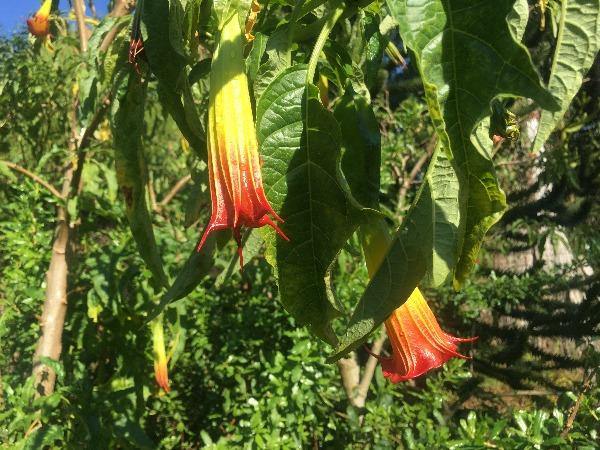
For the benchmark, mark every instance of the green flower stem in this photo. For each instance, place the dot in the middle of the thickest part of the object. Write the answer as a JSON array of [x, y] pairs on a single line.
[[318, 48]]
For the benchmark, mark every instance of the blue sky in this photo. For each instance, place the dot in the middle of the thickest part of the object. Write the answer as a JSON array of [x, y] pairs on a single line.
[[13, 13]]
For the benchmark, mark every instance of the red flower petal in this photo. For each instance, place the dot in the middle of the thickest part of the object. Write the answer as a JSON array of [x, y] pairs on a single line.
[[418, 343]]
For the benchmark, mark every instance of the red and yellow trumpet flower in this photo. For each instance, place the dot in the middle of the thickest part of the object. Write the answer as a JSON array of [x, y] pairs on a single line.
[[236, 189], [161, 371], [39, 23], [418, 342]]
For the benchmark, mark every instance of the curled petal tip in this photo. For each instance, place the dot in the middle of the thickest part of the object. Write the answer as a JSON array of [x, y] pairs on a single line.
[[461, 340]]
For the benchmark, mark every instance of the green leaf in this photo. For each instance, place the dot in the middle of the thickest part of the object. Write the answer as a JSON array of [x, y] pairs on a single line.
[[200, 70], [168, 64], [465, 61], [97, 69], [425, 246], [343, 71], [172, 101], [44, 437], [190, 25], [164, 60], [259, 45], [177, 27], [278, 59], [252, 244], [222, 9], [361, 139], [517, 19], [577, 44], [300, 146], [128, 127], [196, 267], [371, 46], [5, 171]]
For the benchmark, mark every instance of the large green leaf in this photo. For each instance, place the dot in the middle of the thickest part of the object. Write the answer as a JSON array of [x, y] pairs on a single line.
[[517, 18], [300, 146], [160, 31], [192, 273], [361, 142], [465, 61], [368, 46], [278, 56], [577, 44], [127, 128], [253, 61], [164, 60]]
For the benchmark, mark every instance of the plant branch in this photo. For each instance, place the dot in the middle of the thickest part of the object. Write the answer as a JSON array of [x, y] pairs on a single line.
[[350, 373], [360, 397], [408, 181], [357, 387], [174, 191], [121, 8], [587, 384], [81, 28], [34, 177], [55, 303]]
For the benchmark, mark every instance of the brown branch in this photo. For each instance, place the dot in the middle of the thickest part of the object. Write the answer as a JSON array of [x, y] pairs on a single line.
[[350, 373], [55, 303], [587, 384], [34, 177], [78, 8], [357, 387], [174, 191], [360, 397], [407, 183], [120, 9]]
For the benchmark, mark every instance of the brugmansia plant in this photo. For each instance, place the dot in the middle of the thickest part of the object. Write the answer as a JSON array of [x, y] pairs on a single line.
[[281, 117]]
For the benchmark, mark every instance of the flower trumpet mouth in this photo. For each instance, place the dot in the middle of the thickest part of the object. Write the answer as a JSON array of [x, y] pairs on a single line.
[[236, 188], [418, 342], [38, 24]]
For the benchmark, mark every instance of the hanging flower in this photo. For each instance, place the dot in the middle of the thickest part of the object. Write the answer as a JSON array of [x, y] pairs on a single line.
[[38, 24], [236, 189], [161, 372], [418, 342]]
